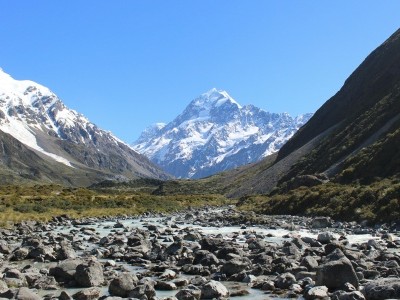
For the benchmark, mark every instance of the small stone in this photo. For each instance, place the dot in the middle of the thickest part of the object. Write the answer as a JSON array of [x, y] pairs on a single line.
[[318, 292], [87, 294]]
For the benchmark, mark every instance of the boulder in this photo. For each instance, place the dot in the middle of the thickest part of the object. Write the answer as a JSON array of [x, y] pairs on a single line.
[[64, 296], [42, 251], [122, 285], [89, 274], [19, 254], [142, 291], [233, 266], [384, 288], [14, 278], [65, 270], [205, 258], [285, 280], [168, 274], [321, 222], [337, 271], [213, 244], [309, 262], [3, 286], [214, 289], [4, 247], [325, 237], [317, 292], [26, 294], [65, 252], [188, 294], [342, 295], [46, 283], [165, 286]]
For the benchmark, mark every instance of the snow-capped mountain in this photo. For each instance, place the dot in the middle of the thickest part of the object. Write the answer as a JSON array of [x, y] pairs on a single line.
[[215, 133], [38, 119]]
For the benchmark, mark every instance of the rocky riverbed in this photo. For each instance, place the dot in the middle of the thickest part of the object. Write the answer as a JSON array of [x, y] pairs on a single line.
[[200, 254]]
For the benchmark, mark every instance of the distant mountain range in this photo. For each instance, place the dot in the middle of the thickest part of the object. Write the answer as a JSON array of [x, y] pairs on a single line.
[[44, 141], [213, 134]]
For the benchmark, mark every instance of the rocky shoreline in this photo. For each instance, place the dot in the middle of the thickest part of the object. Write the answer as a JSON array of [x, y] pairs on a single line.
[[205, 253]]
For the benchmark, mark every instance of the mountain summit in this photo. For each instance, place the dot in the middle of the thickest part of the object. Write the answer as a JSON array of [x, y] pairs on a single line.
[[43, 140], [215, 133]]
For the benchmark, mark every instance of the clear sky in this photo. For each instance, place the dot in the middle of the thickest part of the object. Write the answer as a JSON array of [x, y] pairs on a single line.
[[126, 64]]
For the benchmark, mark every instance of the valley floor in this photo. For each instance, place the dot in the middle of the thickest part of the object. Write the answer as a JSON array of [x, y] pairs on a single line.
[[202, 253]]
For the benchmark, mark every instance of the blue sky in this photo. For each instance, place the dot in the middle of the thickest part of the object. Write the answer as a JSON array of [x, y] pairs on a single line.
[[128, 64]]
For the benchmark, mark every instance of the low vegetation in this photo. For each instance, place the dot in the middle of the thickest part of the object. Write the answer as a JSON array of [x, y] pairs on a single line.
[[378, 202], [42, 202]]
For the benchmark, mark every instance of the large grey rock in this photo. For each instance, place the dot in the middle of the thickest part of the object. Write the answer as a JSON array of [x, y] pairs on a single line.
[[385, 288], [14, 278], [325, 237], [214, 289], [26, 294], [143, 290], [46, 283], [309, 262], [337, 271], [65, 252], [188, 294], [19, 254], [89, 274], [65, 270], [46, 252], [233, 266], [205, 258], [285, 280], [122, 285], [321, 222], [342, 295]]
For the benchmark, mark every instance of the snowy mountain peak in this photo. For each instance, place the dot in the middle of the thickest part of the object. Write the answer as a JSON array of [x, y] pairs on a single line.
[[214, 98], [34, 116], [26, 91], [214, 133]]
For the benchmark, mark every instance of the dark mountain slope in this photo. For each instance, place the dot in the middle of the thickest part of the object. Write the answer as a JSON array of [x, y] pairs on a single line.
[[374, 79], [20, 164]]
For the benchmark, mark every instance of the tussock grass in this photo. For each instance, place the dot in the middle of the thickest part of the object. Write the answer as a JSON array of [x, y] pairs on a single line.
[[42, 202]]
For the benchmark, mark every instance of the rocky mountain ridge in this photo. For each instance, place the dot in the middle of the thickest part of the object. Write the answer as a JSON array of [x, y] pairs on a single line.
[[38, 119], [215, 133]]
